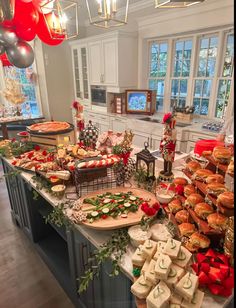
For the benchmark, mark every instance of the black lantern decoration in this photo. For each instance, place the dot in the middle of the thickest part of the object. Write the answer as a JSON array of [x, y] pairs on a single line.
[[146, 162]]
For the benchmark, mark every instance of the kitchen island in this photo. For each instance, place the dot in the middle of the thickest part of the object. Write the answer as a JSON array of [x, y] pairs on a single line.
[[66, 250]]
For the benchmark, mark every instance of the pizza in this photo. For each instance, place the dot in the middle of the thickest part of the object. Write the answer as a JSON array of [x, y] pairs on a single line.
[[49, 127]]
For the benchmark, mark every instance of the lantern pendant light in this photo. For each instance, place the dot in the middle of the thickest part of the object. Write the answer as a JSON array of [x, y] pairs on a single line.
[[176, 3], [105, 13], [61, 18]]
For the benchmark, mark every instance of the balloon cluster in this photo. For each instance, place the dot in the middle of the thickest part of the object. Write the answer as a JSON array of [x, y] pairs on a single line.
[[30, 18]]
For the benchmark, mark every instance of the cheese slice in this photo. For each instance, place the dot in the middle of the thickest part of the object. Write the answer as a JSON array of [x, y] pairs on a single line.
[[159, 296], [160, 232], [184, 257], [175, 274], [138, 257], [149, 249], [172, 248], [187, 286], [176, 299], [162, 266], [196, 302], [145, 267], [141, 287], [150, 274]]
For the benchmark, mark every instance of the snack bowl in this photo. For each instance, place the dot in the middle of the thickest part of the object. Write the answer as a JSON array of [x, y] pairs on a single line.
[[138, 236], [164, 196], [58, 190]]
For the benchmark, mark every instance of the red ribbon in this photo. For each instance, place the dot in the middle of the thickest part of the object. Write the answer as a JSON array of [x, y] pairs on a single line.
[[214, 272], [125, 157]]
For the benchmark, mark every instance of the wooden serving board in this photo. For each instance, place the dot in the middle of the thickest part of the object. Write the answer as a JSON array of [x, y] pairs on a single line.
[[111, 223]]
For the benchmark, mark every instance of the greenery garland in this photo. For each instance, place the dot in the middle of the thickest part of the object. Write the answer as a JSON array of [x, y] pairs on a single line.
[[57, 216], [114, 248]]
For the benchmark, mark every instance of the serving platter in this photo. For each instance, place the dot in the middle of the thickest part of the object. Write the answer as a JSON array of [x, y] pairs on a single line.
[[115, 223], [50, 133]]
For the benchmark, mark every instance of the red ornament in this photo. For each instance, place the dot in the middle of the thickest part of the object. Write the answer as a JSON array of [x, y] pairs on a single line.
[[46, 34], [26, 16]]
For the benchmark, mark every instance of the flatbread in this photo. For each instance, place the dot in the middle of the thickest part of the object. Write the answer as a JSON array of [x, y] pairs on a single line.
[[47, 127]]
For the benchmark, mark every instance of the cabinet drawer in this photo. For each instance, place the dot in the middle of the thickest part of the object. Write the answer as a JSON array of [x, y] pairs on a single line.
[[197, 136]]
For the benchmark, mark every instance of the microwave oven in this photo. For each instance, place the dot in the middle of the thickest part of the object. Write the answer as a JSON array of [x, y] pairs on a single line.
[[98, 96]]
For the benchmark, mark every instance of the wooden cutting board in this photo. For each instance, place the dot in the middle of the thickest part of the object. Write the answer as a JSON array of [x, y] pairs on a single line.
[[115, 223]]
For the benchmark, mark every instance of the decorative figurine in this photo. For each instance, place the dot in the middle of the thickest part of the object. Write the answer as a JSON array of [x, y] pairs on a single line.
[[79, 118], [167, 147]]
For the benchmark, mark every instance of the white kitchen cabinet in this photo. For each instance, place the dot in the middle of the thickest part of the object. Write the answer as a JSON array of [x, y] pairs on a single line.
[[80, 73], [190, 146], [155, 142], [103, 62], [118, 124]]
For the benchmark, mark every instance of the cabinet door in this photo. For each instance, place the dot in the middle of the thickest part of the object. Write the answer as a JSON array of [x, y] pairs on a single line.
[[84, 71], [140, 138], [119, 125], [76, 72], [95, 63], [190, 146], [110, 59], [155, 142]]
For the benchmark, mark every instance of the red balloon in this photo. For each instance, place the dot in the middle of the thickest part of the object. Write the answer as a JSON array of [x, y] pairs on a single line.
[[25, 15], [45, 34], [26, 34], [4, 60]]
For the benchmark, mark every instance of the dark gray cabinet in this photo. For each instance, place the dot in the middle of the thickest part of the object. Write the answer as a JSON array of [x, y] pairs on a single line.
[[65, 251]]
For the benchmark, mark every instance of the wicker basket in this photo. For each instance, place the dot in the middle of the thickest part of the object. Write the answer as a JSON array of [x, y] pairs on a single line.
[[184, 117]]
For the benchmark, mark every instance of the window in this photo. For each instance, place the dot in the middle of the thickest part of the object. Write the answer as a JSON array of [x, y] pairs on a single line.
[[24, 77], [157, 71], [224, 82], [205, 74], [181, 70], [199, 71]]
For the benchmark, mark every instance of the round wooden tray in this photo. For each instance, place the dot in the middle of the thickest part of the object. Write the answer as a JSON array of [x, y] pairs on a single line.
[[38, 133], [115, 223]]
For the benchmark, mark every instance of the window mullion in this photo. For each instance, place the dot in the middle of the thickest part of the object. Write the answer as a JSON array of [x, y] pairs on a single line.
[[217, 75], [167, 93], [193, 70]]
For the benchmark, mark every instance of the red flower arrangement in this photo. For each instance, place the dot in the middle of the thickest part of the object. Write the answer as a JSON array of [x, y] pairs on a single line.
[[150, 210], [167, 117], [37, 147]]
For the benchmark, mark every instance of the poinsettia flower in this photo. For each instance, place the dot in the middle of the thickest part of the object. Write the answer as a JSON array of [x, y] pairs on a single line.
[[150, 211], [156, 206], [37, 147], [45, 153]]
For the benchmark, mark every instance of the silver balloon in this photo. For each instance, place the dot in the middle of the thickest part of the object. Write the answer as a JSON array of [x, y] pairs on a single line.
[[7, 37], [20, 55], [2, 49]]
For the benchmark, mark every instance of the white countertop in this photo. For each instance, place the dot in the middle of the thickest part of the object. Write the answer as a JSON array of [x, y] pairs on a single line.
[[97, 238]]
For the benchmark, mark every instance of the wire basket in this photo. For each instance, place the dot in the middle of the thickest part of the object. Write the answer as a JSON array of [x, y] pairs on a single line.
[[90, 180]]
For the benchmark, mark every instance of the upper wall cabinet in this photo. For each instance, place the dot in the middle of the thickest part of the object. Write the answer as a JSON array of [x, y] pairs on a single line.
[[112, 61], [80, 71]]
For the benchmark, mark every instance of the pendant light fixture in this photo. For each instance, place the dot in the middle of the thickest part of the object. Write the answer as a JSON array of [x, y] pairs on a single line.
[[61, 18], [107, 13], [176, 3]]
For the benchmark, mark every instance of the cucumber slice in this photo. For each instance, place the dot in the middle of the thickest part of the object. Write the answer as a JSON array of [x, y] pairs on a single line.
[[181, 255], [105, 201], [91, 220], [172, 272], [162, 264], [117, 194], [120, 200], [173, 245], [94, 214], [132, 198], [105, 210], [142, 282], [127, 204], [187, 284]]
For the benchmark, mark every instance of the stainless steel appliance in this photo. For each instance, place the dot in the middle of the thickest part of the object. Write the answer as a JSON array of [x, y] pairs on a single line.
[[98, 96]]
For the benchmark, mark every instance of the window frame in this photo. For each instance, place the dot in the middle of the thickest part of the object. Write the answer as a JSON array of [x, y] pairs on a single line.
[[195, 37]]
